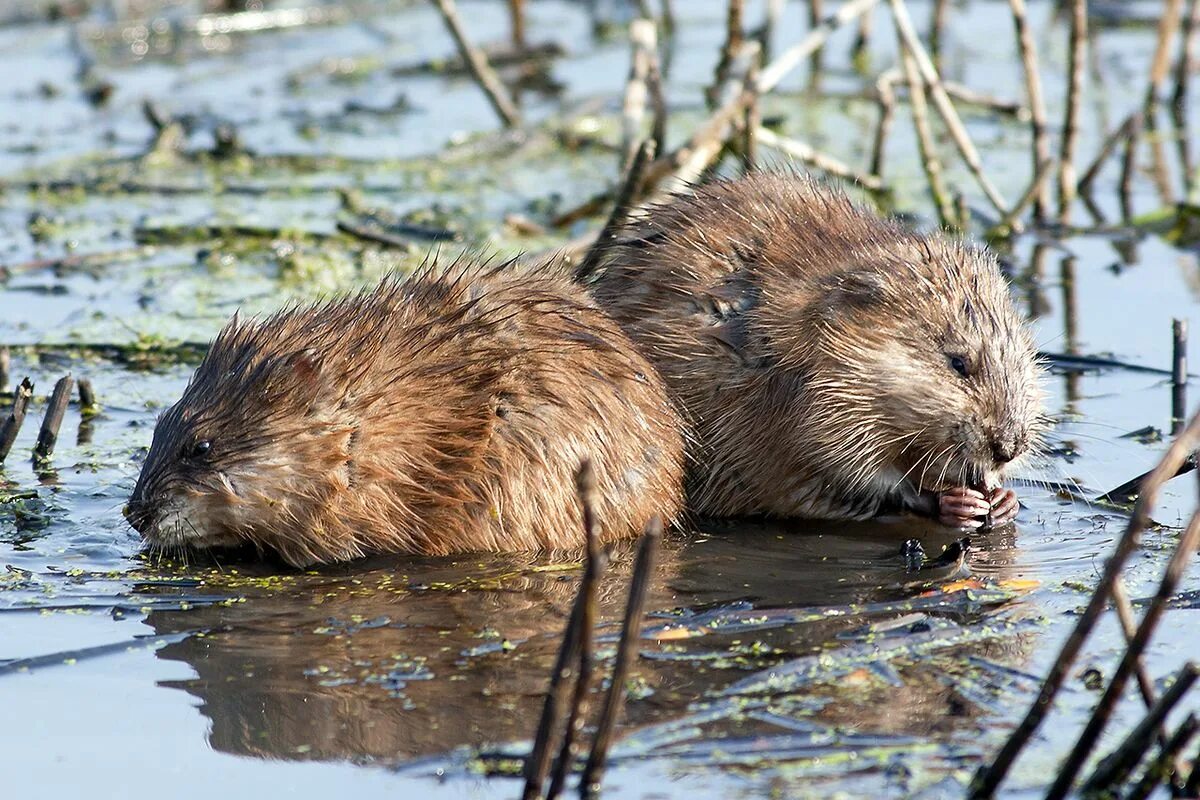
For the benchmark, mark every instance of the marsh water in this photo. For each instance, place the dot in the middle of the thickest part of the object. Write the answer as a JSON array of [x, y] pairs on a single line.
[[786, 659]]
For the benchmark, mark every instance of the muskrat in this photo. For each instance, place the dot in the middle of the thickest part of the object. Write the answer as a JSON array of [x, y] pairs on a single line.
[[441, 413], [831, 364]]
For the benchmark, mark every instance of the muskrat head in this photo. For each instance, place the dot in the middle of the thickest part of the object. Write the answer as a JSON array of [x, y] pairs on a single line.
[[935, 368], [240, 457]]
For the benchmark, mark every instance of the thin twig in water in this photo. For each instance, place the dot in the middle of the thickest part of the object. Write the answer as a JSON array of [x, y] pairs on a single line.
[[630, 190], [733, 42], [1183, 67], [12, 424], [55, 409], [885, 93], [481, 70], [375, 235], [925, 143], [1128, 165], [1041, 175], [1070, 135], [812, 157], [1037, 105], [1168, 22], [774, 72], [1124, 609], [88, 405], [631, 632], [1127, 128], [1162, 768], [585, 483], [991, 776], [911, 43]]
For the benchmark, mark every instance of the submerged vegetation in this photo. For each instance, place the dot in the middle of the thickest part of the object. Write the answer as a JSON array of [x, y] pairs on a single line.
[[167, 163]]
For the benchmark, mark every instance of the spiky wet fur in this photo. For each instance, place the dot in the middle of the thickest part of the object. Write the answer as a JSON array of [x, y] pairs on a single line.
[[440, 413], [807, 343]]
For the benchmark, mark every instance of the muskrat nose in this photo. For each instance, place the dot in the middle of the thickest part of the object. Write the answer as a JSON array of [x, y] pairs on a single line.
[[136, 514]]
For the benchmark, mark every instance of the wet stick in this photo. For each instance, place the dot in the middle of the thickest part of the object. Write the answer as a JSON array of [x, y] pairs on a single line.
[[752, 124], [941, 101], [1041, 178], [989, 777], [88, 406], [1115, 769], [937, 24], [55, 409], [5, 367], [585, 482], [16, 416], [1111, 142], [480, 69], [1179, 373], [774, 72], [1183, 67], [643, 40], [925, 142], [1037, 104], [1145, 683], [1161, 770], [630, 190], [1168, 22], [816, 12], [862, 38], [631, 633], [1184, 551], [885, 95], [1070, 136], [1128, 165], [810, 156], [733, 41], [516, 13]]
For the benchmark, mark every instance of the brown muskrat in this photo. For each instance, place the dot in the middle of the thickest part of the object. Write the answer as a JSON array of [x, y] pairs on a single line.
[[831, 364], [444, 412]]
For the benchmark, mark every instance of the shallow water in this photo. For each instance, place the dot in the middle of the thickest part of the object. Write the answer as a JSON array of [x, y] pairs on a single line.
[[416, 677]]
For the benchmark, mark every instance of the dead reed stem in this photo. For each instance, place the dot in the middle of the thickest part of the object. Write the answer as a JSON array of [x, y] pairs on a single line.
[[734, 27], [631, 189], [989, 777], [5, 368], [937, 24], [941, 101], [1115, 769], [56, 408], [1168, 22], [774, 72], [752, 124], [516, 11], [1162, 768], [1121, 133], [643, 38], [1041, 175], [1184, 551], [1070, 136], [16, 415], [816, 13], [1124, 609], [585, 483], [480, 69], [814, 158], [1037, 104], [1179, 371], [1183, 67], [88, 405], [862, 39], [631, 632], [885, 93], [925, 142], [1128, 166]]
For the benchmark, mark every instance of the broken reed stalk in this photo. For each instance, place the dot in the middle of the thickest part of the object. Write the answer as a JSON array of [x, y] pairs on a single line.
[[1037, 103], [12, 424], [643, 39], [88, 405], [1183, 67], [569, 662], [1115, 768], [862, 39], [1192, 787], [1070, 136], [658, 100], [910, 42], [774, 72], [5, 367], [885, 95], [516, 11], [1012, 219], [585, 484], [631, 633], [734, 28], [1126, 129], [937, 24], [1128, 165], [1179, 373], [1184, 551], [1168, 22], [56, 408], [480, 69], [989, 777], [814, 158], [1162, 768], [752, 124], [1124, 609], [631, 189], [816, 13], [925, 142]]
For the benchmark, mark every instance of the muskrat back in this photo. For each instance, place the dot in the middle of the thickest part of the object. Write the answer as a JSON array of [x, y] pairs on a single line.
[[444, 412], [830, 363]]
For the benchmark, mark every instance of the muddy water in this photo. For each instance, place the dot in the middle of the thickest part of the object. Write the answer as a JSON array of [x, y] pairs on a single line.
[[793, 659]]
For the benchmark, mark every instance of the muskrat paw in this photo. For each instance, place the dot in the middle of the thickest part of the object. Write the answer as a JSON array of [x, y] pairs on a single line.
[[1004, 505], [962, 507]]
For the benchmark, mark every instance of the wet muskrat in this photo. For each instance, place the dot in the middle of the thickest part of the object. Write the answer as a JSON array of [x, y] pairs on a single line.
[[830, 363], [441, 413]]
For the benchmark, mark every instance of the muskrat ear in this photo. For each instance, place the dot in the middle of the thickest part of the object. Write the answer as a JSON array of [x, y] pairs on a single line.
[[855, 289]]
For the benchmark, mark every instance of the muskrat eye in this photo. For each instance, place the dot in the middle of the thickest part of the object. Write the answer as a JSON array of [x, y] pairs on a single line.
[[200, 449], [959, 365]]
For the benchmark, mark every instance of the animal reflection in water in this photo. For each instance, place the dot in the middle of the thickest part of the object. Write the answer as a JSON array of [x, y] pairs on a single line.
[[408, 658]]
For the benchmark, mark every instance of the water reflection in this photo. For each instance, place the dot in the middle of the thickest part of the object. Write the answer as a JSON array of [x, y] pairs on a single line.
[[403, 658]]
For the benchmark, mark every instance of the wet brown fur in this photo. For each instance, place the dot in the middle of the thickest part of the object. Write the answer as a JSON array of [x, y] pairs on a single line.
[[807, 342], [440, 413]]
